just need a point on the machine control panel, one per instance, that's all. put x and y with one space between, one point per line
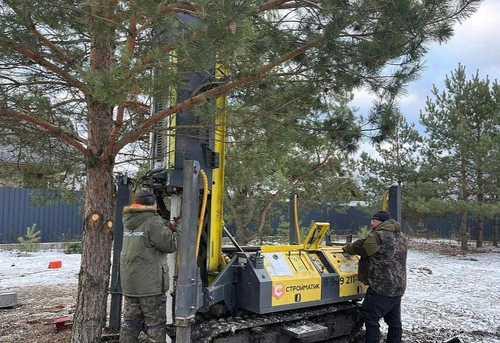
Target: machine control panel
346 266
295 278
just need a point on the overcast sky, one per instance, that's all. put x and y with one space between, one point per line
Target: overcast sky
475 44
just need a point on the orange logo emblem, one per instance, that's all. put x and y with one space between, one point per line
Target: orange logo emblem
278 291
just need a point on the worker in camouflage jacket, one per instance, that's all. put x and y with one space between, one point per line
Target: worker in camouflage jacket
383 268
147 239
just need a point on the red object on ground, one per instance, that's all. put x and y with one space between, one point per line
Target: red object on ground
55 264
62 323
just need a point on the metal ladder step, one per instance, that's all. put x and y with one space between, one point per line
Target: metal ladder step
306 332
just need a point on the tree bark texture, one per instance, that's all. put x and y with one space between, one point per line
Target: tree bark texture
496 227
90 313
480 200
464 195
463 231
263 217
480 232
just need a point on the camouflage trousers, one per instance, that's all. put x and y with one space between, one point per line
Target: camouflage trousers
146 314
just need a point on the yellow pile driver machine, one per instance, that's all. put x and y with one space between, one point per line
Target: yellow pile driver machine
306 291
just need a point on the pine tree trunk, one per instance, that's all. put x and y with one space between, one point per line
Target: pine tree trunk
263 218
480 233
480 199
463 231
464 197
90 313
496 225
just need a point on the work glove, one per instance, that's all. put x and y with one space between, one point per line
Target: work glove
172 225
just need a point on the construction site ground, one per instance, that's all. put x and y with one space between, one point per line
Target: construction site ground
449 294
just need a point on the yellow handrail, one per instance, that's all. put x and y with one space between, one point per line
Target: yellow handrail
296 219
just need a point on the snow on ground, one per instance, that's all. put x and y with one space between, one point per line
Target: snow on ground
453 292
23 270
446 295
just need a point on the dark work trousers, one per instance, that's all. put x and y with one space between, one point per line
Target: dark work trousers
374 308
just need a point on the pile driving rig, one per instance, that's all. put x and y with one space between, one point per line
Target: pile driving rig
301 292
306 291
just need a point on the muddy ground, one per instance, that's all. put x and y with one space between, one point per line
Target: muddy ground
32 320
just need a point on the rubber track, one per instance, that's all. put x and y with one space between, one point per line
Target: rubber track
206 331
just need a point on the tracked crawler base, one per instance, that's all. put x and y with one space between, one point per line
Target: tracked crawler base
337 323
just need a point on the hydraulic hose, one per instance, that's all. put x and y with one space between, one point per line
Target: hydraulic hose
201 220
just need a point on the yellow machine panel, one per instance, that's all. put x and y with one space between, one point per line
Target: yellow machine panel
294 278
293 265
316 235
347 268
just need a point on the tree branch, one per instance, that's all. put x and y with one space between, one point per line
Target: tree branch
271 4
182 7
118 124
209 94
288 5
60 54
318 166
47 127
137 106
36 58
264 213
196 10
132 36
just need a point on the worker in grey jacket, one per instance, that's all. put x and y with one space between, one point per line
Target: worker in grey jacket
147 239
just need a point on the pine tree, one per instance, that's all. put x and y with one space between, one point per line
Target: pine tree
397 162
462 126
30 241
82 73
295 148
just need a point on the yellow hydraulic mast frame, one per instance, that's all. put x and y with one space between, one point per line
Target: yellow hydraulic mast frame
217 195
171 122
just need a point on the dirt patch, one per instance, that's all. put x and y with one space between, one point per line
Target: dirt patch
446 335
38 306
31 320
